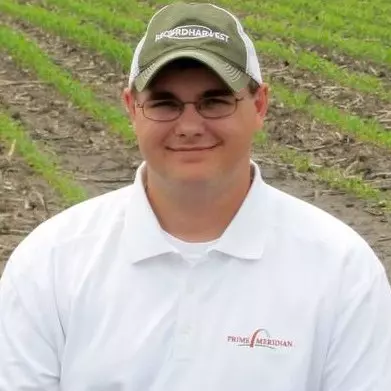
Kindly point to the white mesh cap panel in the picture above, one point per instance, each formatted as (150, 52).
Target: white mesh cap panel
(252, 64)
(134, 67)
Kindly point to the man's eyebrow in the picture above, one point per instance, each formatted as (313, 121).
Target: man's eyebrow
(217, 92)
(161, 95)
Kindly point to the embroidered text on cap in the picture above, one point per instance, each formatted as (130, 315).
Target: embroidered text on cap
(191, 32)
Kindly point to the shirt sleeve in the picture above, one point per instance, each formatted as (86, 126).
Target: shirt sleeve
(30, 331)
(359, 355)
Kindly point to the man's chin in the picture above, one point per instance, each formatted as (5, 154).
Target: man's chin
(192, 177)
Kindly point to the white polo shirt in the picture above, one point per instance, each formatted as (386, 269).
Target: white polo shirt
(98, 298)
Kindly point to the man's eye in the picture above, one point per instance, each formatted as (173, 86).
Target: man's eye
(163, 104)
(210, 102)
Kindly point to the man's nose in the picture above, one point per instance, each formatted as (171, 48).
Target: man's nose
(190, 123)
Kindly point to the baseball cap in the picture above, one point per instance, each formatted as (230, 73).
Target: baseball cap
(201, 31)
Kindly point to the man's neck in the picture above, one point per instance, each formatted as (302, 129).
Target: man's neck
(198, 215)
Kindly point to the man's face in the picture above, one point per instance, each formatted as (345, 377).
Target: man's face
(193, 149)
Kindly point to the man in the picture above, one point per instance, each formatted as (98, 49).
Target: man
(199, 276)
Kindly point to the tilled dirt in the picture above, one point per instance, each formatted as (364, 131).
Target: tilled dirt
(25, 201)
(102, 162)
(108, 79)
(80, 142)
(368, 66)
(328, 147)
(366, 106)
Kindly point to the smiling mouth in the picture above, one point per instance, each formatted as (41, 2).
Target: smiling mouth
(193, 149)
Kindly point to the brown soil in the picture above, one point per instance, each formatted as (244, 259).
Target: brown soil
(102, 162)
(351, 101)
(366, 65)
(79, 142)
(25, 201)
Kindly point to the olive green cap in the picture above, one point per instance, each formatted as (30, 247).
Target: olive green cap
(200, 31)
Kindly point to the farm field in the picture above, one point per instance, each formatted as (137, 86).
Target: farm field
(65, 137)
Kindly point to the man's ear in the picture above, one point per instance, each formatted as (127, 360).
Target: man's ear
(129, 102)
(261, 101)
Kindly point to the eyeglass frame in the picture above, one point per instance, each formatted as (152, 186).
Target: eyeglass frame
(183, 104)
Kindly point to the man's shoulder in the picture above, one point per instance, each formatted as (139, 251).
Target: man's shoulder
(318, 236)
(309, 223)
(90, 217)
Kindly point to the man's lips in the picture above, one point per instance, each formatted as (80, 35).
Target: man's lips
(191, 149)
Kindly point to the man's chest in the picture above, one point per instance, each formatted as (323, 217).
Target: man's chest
(195, 330)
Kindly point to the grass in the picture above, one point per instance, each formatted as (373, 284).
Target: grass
(27, 53)
(354, 47)
(12, 133)
(321, 18)
(332, 177)
(368, 131)
(300, 59)
(71, 28)
(345, 10)
(131, 8)
(103, 15)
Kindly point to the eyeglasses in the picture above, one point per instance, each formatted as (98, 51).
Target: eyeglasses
(164, 110)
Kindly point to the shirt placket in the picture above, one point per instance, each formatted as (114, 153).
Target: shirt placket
(185, 333)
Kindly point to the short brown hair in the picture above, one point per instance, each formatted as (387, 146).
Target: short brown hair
(252, 86)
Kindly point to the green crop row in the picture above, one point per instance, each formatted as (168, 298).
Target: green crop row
(374, 12)
(71, 28)
(321, 15)
(374, 51)
(131, 8)
(27, 53)
(331, 177)
(13, 134)
(104, 16)
(300, 59)
(368, 131)
(366, 14)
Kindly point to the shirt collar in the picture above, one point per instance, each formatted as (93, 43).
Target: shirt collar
(143, 235)
(244, 237)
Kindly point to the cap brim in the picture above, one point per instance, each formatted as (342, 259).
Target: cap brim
(233, 77)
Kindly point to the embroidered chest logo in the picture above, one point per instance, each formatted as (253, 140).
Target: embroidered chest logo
(260, 338)
(191, 32)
